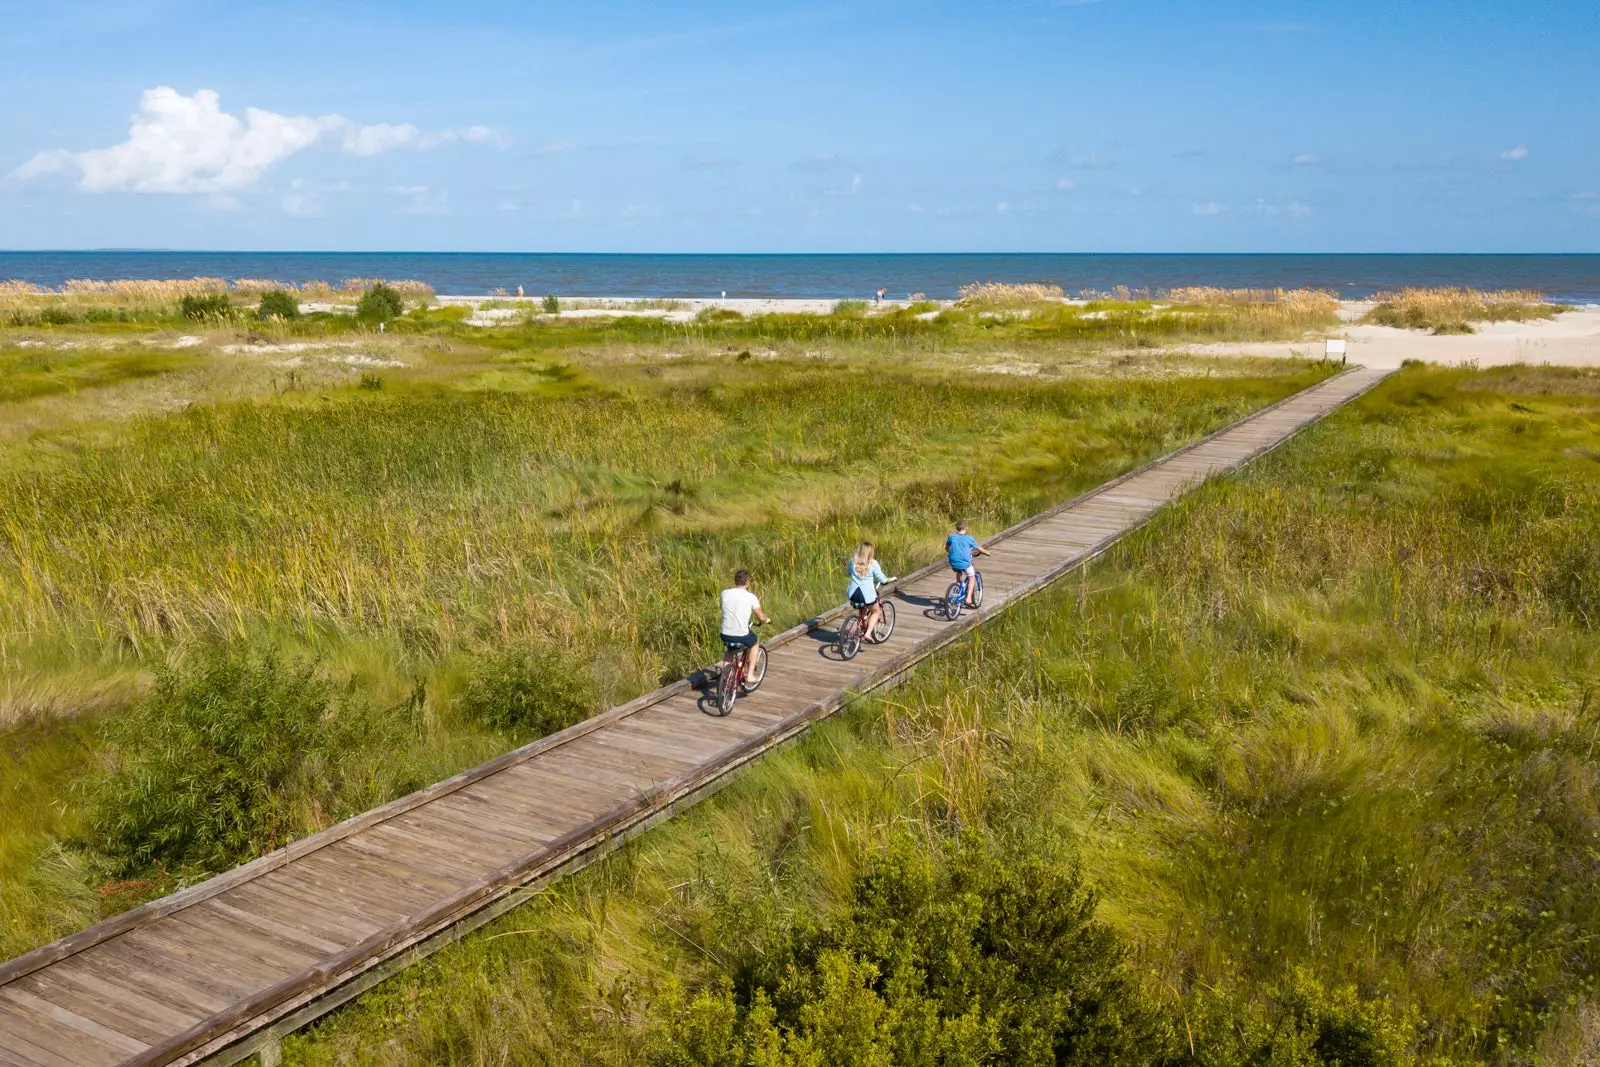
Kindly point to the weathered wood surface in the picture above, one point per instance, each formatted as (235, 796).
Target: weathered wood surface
(206, 971)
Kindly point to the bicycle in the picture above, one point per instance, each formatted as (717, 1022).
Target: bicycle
(854, 627)
(738, 675)
(956, 597)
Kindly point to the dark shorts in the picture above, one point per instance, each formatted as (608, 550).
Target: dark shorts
(747, 641)
(858, 599)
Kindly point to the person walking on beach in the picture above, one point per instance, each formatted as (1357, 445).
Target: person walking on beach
(881, 291)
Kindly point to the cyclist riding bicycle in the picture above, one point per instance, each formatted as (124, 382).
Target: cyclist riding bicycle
(738, 604)
(960, 547)
(865, 577)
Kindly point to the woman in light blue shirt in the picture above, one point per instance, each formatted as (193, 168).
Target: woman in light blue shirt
(865, 577)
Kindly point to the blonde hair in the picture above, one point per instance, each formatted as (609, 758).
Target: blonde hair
(862, 564)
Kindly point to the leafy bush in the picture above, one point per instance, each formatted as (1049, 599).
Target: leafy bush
(235, 759)
(970, 960)
(278, 304)
(530, 689)
(850, 308)
(380, 304)
(1296, 1023)
(202, 306)
(966, 958)
(716, 314)
(551, 305)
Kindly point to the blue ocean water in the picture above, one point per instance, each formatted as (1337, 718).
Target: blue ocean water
(1567, 278)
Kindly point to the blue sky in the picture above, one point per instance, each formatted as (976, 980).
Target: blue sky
(1111, 125)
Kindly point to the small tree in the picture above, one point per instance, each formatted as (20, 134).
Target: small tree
(551, 305)
(278, 304)
(380, 304)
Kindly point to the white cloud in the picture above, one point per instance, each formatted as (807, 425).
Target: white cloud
(422, 200)
(1515, 155)
(708, 163)
(1002, 208)
(1210, 207)
(188, 144)
(1066, 185)
(306, 199)
(817, 164)
(1305, 159)
(853, 190)
(1095, 160)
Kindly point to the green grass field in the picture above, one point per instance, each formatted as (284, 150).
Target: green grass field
(1321, 738)
(272, 582)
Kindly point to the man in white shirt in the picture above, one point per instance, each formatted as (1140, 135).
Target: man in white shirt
(738, 604)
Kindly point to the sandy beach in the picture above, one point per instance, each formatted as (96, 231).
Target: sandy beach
(1571, 339)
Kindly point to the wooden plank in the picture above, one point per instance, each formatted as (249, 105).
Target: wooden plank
(129, 1010)
(83, 1029)
(48, 1044)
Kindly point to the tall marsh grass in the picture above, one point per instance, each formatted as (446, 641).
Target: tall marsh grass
(1321, 738)
(520, 524)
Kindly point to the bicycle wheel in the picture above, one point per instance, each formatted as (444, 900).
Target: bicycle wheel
(885, 627)
(977, 594)
(727, 686)
(756, 673)
(850, 637)
(953, 600)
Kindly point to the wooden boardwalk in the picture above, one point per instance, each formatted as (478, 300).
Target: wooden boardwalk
(222, 969)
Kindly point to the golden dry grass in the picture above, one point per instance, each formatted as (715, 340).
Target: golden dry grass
(1007, 294)
(1308, 301)
(1453, 310)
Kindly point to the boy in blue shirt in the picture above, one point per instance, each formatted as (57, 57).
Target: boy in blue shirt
(960, 546)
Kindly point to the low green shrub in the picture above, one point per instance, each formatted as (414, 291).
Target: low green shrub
(957, 958)
(202, 306)
(965, 956)
(380, 304)
(278, 304)
(715, 314)
(531, 690)
(850, 308)
(234, 758)
(550, 304)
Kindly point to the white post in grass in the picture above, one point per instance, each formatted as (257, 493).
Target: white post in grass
(1336, 348)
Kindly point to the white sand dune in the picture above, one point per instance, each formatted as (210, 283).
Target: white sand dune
(1571, 339)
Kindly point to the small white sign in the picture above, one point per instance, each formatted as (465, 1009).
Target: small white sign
(1335, 348)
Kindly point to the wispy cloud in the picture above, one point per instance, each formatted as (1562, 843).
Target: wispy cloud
(1066, 185)
(188, 144)
(1097, 159)
(709, 163)
(853, 189)
(817, 164)
(308, 199)
(421, 200)
(1515, 155)
(1210, 208)
(1305, 159)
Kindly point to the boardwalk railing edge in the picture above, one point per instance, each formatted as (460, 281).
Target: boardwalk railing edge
(577, 846)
